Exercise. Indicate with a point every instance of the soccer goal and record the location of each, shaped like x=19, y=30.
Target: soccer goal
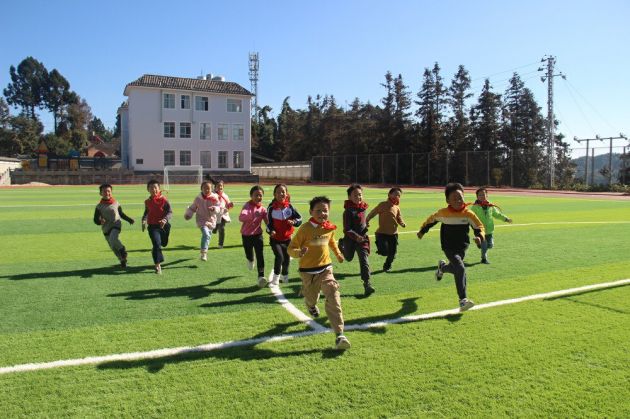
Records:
x=182, y=174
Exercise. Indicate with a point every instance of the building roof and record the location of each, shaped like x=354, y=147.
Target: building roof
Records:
x=183, y=83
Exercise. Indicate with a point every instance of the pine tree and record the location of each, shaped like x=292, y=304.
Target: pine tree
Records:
x=28, y=83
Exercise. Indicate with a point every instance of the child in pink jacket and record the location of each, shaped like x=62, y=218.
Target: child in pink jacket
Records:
x=208, y=209
x=252, y=215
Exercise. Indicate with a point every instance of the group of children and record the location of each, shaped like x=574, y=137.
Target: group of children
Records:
x=314, y=239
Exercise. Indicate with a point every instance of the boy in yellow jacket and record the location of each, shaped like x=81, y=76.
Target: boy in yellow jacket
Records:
x=456, y=221
x=312, y=245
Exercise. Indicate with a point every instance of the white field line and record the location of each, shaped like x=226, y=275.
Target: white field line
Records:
x=171, y=352
x=297, y=313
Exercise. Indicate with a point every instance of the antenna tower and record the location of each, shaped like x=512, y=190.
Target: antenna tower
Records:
x=253, y=78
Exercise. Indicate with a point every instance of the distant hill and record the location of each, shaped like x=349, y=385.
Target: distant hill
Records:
x=600, y=162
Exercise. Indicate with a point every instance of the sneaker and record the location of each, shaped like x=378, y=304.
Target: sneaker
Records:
x=342, y=343
x=313, y=311
x=368, y=289
x=465, y=304
x=387, y=268
x=285, y=278
x=203, y=256
x=123, y=263
x=439, y=273
x=262, y=281
x=250, y=264
x=485, y=261
x=273, y=279
x=158, y=270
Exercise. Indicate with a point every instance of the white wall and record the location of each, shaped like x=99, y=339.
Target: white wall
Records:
x=146, y=131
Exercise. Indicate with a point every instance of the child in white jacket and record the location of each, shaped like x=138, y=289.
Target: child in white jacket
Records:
x=208, y=210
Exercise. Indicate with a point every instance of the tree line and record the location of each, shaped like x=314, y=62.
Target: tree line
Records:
x=438, y=120
x=32, y=88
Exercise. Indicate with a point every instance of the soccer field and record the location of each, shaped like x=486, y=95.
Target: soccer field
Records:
x=229, y=349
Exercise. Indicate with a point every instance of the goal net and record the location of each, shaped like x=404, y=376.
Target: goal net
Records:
x=182, y=174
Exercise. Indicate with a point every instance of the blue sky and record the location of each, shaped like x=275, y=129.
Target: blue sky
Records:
x=341, y=48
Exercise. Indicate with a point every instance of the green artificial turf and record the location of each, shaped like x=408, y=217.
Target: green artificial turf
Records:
x=63, y=297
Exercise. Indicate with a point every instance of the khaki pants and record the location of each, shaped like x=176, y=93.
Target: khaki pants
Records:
x=324, y=281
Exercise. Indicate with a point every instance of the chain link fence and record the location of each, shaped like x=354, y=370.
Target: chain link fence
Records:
x=514, y=168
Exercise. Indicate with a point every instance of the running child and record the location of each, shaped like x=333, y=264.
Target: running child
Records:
x=389, y=218
x=456, y=219
x=282, y=219
x=207, y=209
x=312, y=245
x=157, y=213
x=252, y=215
x=355, y=237
x=108, y=214
x=487, y=212
x=225, y=203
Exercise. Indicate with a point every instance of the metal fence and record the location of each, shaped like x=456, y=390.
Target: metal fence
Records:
x=515, y=168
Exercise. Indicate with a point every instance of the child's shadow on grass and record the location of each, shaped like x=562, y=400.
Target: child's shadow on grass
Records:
x=195, y=292
x=246, y=350
x=89, y=273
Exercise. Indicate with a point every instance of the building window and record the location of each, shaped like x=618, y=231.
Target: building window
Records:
x=238, y=132
x=222, y=132
x=201, y=103
x=204, y=159
x=184, y=130
x=169, y=157
x=204, y=131
x=238, y=160
x=169, y=101
x=169, y=130
x=234, y=105
x=223, y=159
x=184, y=158
x=139, y=161
x=185, y=102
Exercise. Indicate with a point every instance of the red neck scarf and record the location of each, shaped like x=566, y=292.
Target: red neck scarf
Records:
x=280, y=204
x=326, y=225
x=459, y=210
x=394, y=201
x=208, y=197
x=255, y=204
x=109, y=201
x=360, y=206
x=485, y=204
x=157, y=198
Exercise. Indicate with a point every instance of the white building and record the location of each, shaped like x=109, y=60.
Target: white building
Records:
x=185, y=121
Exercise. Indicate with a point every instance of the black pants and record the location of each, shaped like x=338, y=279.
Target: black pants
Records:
x=350, y=247
x=458, y=269
x=159, y=238
x=221, y=229
x=281, y=261
x=251, y=244
x=387, y=245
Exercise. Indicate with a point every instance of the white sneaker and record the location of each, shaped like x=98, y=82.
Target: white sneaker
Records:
x=251, y=264
x=203, y=256
x=285, y=278
x=158, y=270
x=342, y=343
x=273, y=279
x=262, y=281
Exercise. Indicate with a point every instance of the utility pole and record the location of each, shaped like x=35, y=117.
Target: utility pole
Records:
x=597, y=137
x=551, y=61
x=253, y=79
x=586, y=155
